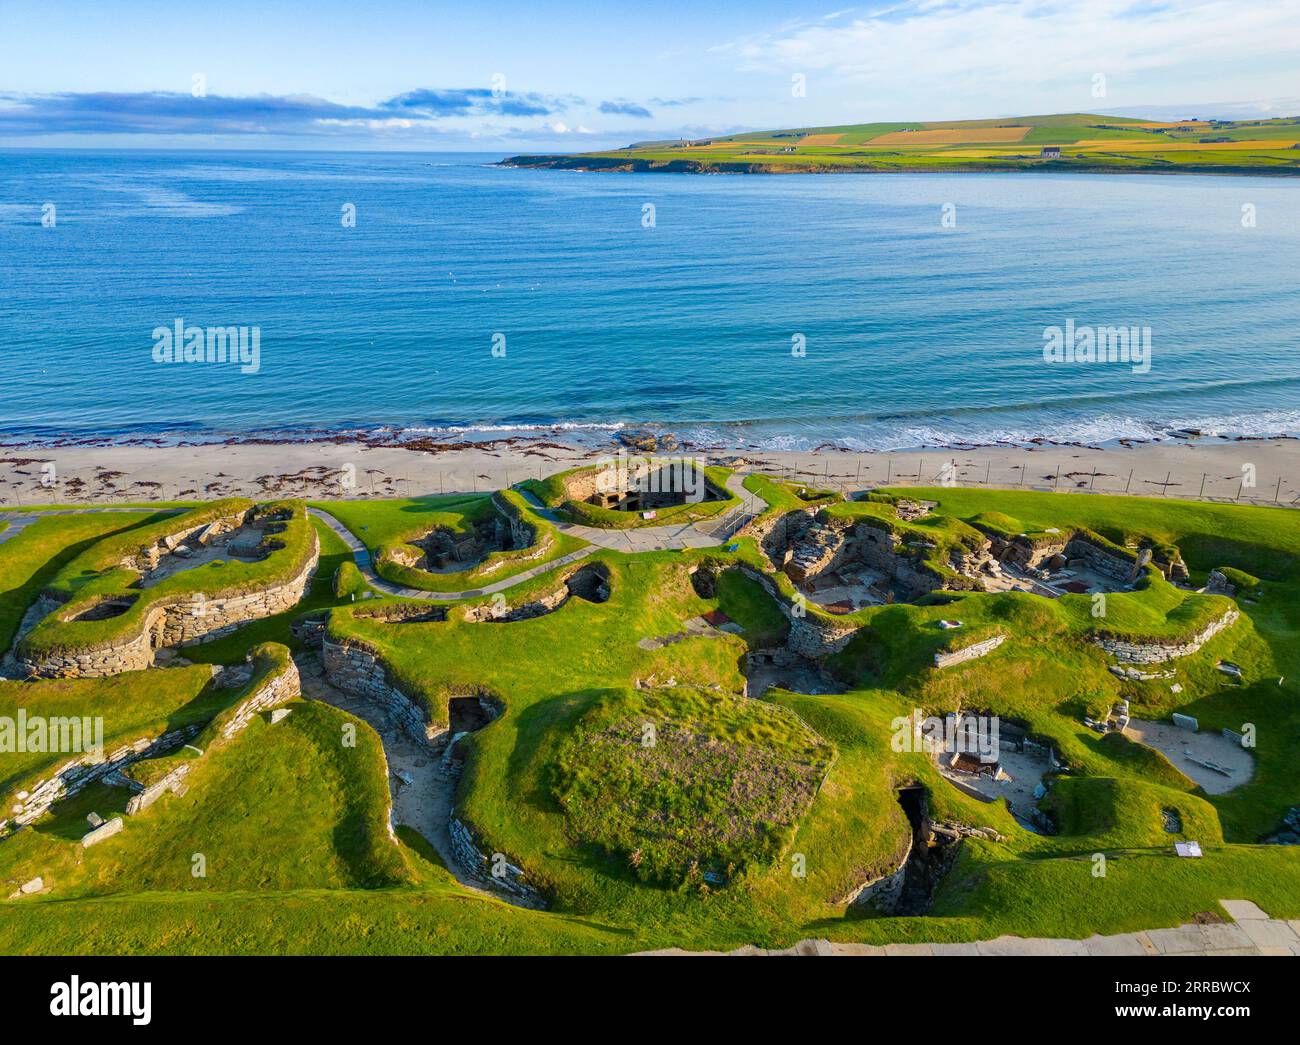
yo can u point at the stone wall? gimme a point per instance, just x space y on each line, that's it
885 551
179 621
1157 652
810 636
355 668
147 557
478 866
75 776
145 797
883 892
589 581
947 658
524 540
277 688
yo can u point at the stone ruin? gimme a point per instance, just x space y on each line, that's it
844 565
175 619
932 848
403 613
446 551
646 484
506 537
589 582
247 537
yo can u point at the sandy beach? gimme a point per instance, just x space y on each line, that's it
1263 471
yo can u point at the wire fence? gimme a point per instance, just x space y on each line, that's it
869 473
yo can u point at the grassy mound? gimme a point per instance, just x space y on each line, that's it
553 492
98 574
689 786
386 528
279 807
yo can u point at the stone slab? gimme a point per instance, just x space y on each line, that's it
1270 933
1242 910
100 833
1115 946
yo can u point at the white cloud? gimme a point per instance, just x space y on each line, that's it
994 53
372 125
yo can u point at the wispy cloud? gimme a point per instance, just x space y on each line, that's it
160 112
623 108
1015 51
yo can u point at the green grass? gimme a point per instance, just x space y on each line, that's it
30 560
1127 147
324 805
292 822
688 786
97 573
387 527
132 706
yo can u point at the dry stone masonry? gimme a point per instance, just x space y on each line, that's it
1131 652
181 620
946 659
356 668
75 776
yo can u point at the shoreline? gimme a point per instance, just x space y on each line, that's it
333 469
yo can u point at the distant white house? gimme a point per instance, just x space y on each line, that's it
1050 152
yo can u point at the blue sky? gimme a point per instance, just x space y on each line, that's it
563 75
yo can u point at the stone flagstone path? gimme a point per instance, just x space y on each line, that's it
1252 932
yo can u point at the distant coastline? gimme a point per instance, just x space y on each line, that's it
1085 143
613 164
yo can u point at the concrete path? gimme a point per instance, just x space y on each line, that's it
1252 932
19 521
361 556
706 533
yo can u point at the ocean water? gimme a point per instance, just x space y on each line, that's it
913 333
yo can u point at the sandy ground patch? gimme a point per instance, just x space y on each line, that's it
1176 744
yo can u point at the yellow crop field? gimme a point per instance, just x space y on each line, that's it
1117 145
820 139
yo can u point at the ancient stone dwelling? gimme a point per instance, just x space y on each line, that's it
175 619
642 485
846 564
445 549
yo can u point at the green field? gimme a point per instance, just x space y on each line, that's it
1086 142
743 819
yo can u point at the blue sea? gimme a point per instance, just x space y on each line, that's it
612 299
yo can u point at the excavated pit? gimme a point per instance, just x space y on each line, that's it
446 551
405 613
589 583
249 542
780 668
106 609
910 890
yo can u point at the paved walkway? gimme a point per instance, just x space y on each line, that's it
706 533
19 521
361 556
1252 932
